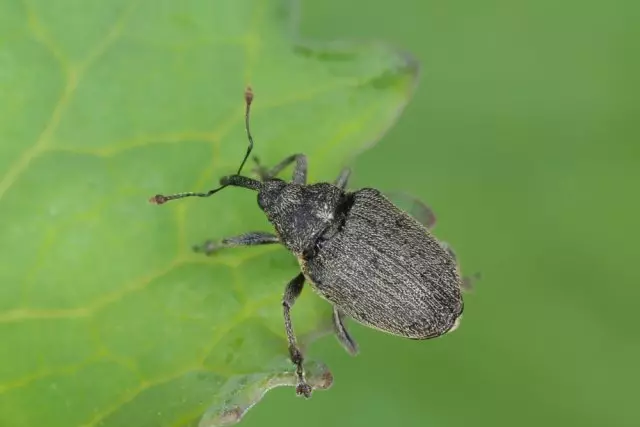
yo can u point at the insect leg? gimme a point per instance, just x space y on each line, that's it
468 282
343 178
447 247
414 207
343 335
259 169
299 172
291 293
247 239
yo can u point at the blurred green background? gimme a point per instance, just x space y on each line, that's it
523 137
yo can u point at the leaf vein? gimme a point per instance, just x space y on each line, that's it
145 385
73 76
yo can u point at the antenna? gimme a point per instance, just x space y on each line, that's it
159 199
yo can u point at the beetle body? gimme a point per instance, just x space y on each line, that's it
375 262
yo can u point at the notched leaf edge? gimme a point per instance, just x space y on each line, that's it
239 394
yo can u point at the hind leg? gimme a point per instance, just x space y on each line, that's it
414 207
468 282
343 335
341 331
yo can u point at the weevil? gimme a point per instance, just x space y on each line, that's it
372 261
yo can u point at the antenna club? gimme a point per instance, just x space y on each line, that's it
248 95
158 199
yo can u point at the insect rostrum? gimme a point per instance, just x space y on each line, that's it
374 262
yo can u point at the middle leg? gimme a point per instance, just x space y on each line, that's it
248 239
343 335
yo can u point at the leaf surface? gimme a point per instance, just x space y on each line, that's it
107 318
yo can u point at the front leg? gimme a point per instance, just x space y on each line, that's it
291 293
342 179
247 239
299 172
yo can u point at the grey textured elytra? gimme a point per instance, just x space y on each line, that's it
374 262
384 269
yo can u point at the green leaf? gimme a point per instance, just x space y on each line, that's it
107 318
